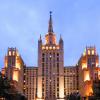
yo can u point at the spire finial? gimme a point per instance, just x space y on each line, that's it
50 13
60 36
50 28
40 37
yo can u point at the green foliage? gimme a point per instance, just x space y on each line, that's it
75 96
8 91
4 85
96 88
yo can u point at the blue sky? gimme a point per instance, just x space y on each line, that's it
22 21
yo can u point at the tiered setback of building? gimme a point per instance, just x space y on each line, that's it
51 80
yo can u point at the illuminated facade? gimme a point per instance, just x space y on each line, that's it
50 66
30 82
14 68
88 70
51 80
70 79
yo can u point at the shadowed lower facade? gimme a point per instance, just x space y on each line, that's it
51 80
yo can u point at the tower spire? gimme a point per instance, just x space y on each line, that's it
50 28
40 36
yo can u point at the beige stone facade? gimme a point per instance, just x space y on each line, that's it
30 82
14 68
50 67
89 70
70 79
51 80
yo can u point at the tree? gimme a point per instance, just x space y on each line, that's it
4 85
8 91
96 88
75 96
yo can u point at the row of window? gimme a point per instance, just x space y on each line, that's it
48 54
49 47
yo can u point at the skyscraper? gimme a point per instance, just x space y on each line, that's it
51 80
50 66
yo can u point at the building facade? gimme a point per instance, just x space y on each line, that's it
70 80
30 82
14 68
51 80
89 70
50 66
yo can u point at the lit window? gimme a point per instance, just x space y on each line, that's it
54 48
13 53
9 53
15 75
18 65
43 47
97 65
84 65
86 76
50 56
50 48
88 52
46 48
57 47
92 52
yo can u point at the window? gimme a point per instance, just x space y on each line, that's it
43 55
92 52
53 54
42 59
54 48
50 47
9 53
42 64
46 48
57 58
43 47
88 52
57 54
13 53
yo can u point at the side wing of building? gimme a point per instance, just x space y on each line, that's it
30 82
70 80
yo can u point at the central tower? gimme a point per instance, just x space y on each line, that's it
51 66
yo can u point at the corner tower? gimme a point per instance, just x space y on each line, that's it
14 68
88 71
51 66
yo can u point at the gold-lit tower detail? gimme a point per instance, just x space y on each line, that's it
14 68
51 68
88 70
51 80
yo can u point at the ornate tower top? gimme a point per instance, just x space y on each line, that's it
50 27
50 36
